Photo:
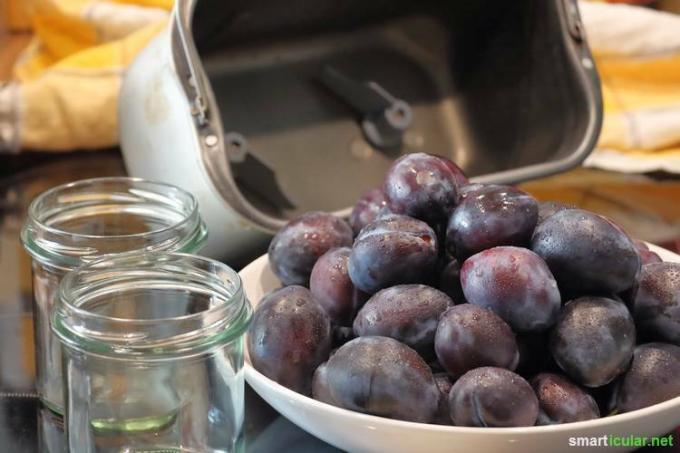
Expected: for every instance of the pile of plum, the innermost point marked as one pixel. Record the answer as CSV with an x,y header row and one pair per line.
x,y
468,304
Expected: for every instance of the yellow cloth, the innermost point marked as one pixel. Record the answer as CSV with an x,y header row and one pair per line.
x,y
67,81
637,53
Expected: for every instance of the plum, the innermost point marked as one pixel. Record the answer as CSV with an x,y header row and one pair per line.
x,y
423,186
586,252
296,247
333,289
490,217
392,250
491,396
593,340
516,284
290,335
652,377
379,376
407,313
470,337
562,401
369,207
656,307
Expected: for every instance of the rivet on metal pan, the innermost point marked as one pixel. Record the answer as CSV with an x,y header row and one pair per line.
x,y
210,140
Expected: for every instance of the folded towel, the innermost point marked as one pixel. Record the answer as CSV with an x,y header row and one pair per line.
x,y
65,89
637,52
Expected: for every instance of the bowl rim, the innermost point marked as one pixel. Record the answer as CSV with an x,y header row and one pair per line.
x,y
251,374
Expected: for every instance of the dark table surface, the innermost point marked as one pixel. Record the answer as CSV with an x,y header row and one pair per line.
x,y
649,209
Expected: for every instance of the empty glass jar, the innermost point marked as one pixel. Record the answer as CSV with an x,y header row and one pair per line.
x,y
153,354
75,223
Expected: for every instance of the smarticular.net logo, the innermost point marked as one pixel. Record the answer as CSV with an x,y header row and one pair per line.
x,y
621,441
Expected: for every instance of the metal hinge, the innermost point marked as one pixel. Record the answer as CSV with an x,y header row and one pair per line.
x,y
185,56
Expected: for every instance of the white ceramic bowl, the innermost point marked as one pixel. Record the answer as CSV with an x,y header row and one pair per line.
x,y
356,432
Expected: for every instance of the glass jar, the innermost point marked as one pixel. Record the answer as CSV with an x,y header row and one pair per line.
x,y
153,354
75,223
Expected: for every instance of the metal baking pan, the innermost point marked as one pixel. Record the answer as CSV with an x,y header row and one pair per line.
x,y
266,109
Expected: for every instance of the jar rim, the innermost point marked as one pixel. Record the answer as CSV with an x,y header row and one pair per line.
x,y
159,337
64,249
33,207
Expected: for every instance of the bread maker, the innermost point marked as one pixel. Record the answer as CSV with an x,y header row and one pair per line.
x,y
264,109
